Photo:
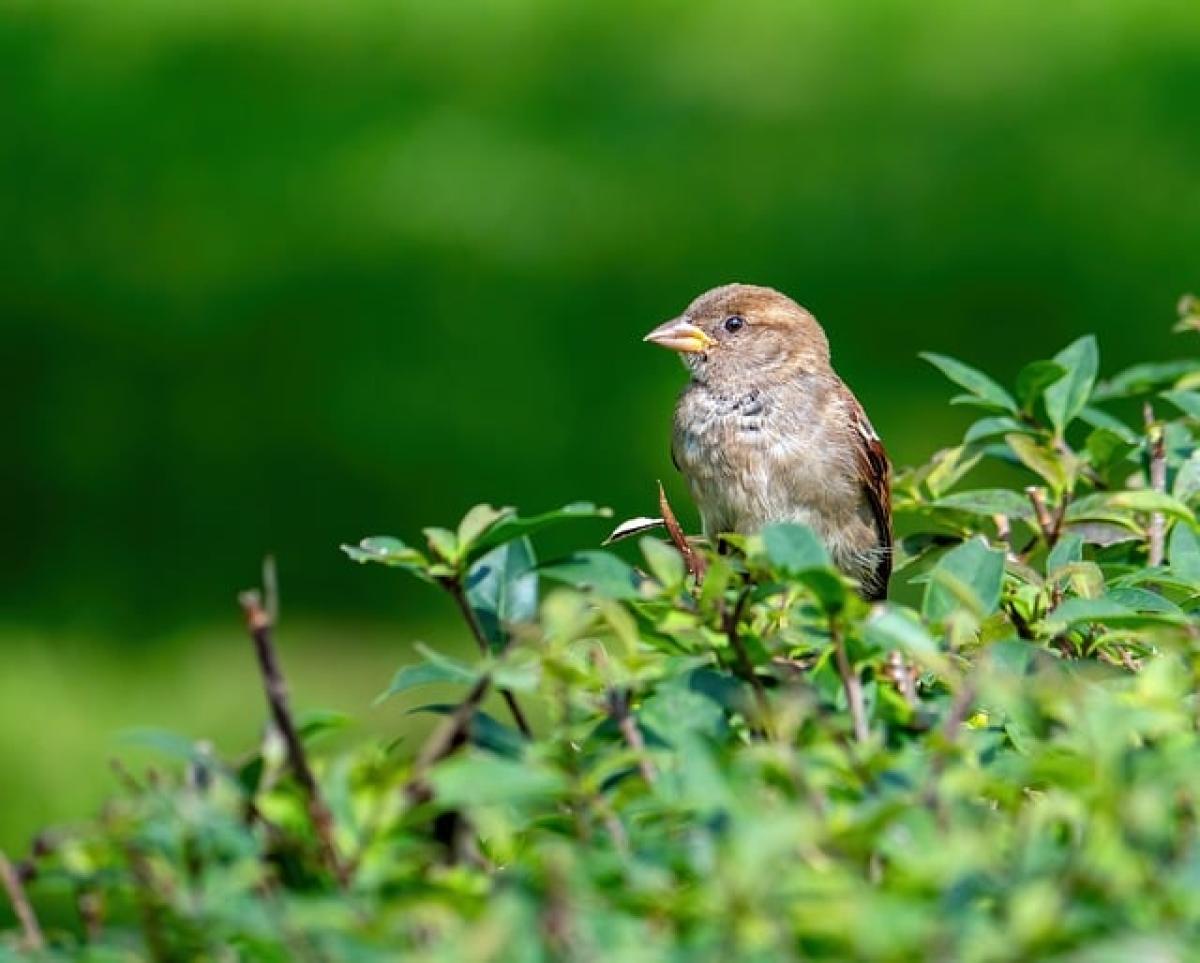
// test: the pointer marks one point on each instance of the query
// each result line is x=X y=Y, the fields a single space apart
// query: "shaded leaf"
x=502 y=589
x=793 y=548
x=1034 y=379
x=479 y=780
x=1184 y=553
x=973 y=568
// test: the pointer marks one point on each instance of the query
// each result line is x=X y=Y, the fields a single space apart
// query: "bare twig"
x=1156 y=445
x=693 y=559
x=618 y=708
x=447 y=737
x=850 y=682
x=745 y=666
x=1037 y=497
x=903 y=677
x=258 y=620
x=455 y=588
x=31 y=930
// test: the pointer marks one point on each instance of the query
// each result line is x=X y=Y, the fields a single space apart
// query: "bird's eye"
x=734 y=323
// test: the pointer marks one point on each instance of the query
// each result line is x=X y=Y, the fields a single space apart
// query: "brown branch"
x=745 y=666
x=258 y=620
x=618 y=708
x=32 y=938
x=455 y=588
x=445 y=739
x=851 y=683
x=693 y=559
x=1156 y=446
x=1037 y=498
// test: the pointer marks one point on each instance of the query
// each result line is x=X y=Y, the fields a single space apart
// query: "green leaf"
x=1141 y=600
x=1066 y=397
x=478 y=520
x=480 y=780
x=1074 y=611
x=600 y=571
x=1105 y=447
x=976 y=382
x=1067 y=550
x=675 y=709
x=989 y=427
x=484 y=731
x=436 y=668
x=1034 y=379
x=1039 y=459
x=988 y=501
x=664 y=561
x=1102 y=419
x=443 y=543
x=793 y=548
x=386 y=550
x=514 y=526
x=970 y=574
x=502 y=589
x=1141 y=379
x=317 y=722
x=1184 y=553
x=896 y=628
x=1137 y=500
x=948 y=467
x=1186 y=401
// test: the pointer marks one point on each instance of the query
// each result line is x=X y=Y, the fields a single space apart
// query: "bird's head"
x=742 y=331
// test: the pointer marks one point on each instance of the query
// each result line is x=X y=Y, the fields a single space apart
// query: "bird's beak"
x=680 y=334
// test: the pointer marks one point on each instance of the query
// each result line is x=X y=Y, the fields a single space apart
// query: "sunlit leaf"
x=599 y=571
x=988 y=501
x=976 y=382
x=1067 y=397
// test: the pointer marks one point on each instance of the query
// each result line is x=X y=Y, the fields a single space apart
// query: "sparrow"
x=765 y=430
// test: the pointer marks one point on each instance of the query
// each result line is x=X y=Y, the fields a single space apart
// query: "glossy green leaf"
x=502 y=589
x=1066 y=398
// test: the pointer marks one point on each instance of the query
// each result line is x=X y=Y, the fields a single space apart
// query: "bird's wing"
x=875 y=474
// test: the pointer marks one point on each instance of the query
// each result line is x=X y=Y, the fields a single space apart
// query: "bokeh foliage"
x=746 y=762
x=277 y=271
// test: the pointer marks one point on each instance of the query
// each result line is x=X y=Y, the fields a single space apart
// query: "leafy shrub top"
x=753 y=764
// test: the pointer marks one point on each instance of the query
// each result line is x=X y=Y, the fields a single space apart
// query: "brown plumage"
x=766 y=431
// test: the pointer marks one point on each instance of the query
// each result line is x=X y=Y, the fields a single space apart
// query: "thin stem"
x=745 y=666
x=618 y=707
x=258 y=620
x=1037 y=498
x=446 y=738
x=850 y=682
x=455 y=588
x=693 y=559
x=1156 y=445
x=15 y=888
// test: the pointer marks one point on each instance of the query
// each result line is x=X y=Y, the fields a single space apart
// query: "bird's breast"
x=753 y=457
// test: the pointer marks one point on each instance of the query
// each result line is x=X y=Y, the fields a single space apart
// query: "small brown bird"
x=767 y=432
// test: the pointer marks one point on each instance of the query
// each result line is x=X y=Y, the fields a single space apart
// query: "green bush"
x=751 y=765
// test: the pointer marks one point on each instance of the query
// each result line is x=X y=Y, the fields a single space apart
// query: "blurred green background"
x=278 y=275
